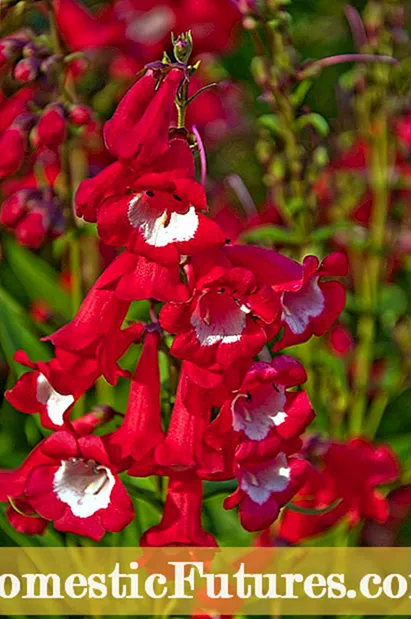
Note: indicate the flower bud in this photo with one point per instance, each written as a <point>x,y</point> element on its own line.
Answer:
<point>182,47</point>
<point>51,128</point>
<point>12,148</point>
<point>80,115</point>
<point>26,70</point>
<point>31,230</point>
<point>15,207</point>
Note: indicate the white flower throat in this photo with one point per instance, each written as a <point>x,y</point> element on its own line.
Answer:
<point>84,485</point>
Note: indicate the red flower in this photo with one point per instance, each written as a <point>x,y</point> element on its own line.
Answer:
<point>141,430</point>
<point>158,215</point>
<point>349,473</point>
<point>20,512</point>
<point>139,127</point>
<point>262,407</point>
<point>310,305</point>
<point>264,487</point>
<point>227,318</point>
<point>93,191</point>
<point>77,488</point>
<point>183,446</point>
<point>181,521</point>
<point>86,348</point>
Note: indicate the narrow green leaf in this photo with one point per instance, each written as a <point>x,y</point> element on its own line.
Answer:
<point>270,234</point>
<point>15,333</point>
<point>38,278</point>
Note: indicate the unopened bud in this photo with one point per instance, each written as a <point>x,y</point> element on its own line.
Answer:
<point>182,47</point>
<point>80,115</point>
<point>26,70</point>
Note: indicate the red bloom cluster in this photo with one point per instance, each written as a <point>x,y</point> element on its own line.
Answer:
<point>227,305</point>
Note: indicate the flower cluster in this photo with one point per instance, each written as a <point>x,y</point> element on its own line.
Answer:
<point>227,312</point>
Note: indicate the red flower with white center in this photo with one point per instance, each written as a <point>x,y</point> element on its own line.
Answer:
<point>310,305</point>
<point>226,320</point>
<point>264,487</point>
<point>78,488</point>
<point>158,217</point>
<point>181,521</point>
<point>349,473</point>
<point>263,407</point>
<point>20,512</point>
<point>85,349</point>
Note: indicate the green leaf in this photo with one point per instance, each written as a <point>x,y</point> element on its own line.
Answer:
<point>392,304</point>
<point>38,278</point>
<point>15,333</point>
<point>326,232</point>
<point>396,421</point>
<point>270,234</point>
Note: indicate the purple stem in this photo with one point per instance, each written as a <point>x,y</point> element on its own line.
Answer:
<point>341,58</point>
<point>356,25</point>
<point>237,184</point>
<point>203,156</point>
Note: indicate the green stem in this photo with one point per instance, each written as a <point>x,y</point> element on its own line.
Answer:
<point>372,272</point>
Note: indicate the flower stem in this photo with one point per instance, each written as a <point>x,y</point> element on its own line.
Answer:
<point>372,272</point>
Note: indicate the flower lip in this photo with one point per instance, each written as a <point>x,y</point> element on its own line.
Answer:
<point>257,413</point>
<point>260,484</point>
<point>84,485</point>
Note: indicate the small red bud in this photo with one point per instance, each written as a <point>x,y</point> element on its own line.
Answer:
<point>51,128</point>
<point>80,115</point>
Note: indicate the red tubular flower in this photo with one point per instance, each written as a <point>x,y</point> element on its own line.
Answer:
<point>139,128</point>
<point>51,128</point>
<point>181,446</point>
<point>158,216</point>
<point>135,278</point>
<point>93,191</point>
<point>350,472</point>
<point>264,487</point>
<point>262,407</point>
<point>228,318</point>
<point>86,348</point>
<point>141,430</point>
<point>77,487</point>
<point>310,305</point>
<point>181,521</point>
<point>184,446</point>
